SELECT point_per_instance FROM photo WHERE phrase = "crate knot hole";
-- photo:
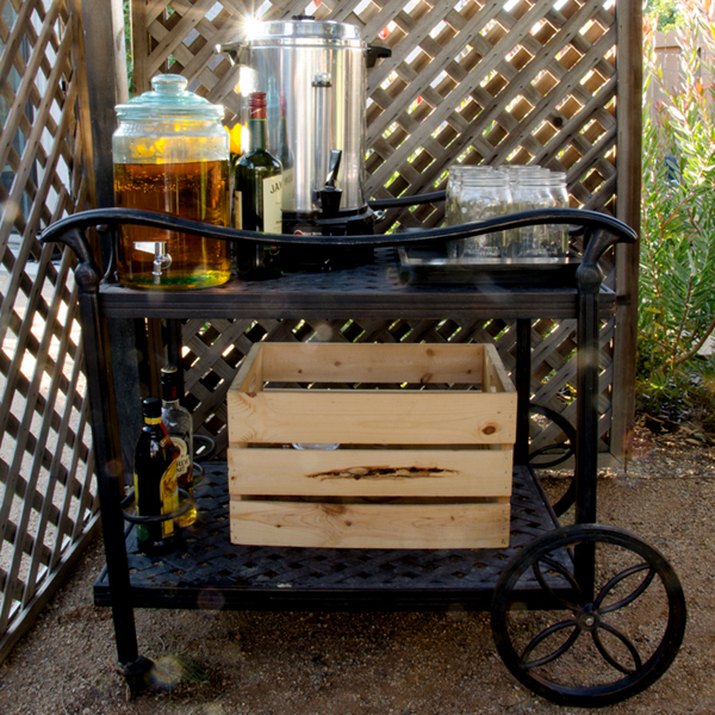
(382, 472)
(489, 429)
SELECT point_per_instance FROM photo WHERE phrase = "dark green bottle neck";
(257, 134)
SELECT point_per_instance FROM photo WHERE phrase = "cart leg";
(135, 668)
(523, 389)
(110, 479)
(588, 278)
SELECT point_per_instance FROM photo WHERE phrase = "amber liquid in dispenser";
(156, 258)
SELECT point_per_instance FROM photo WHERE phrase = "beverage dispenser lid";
(169, 97)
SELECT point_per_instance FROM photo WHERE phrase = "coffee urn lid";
(304, 27)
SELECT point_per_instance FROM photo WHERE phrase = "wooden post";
(106, 86)
(629, 22)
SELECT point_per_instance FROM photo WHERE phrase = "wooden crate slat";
(369, 472)
(479, 525)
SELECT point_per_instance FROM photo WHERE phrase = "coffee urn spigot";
(330, 194)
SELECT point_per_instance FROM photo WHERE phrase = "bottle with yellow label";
(258, 195)
(178, 423)
(156, 490)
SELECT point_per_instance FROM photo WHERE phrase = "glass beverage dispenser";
(171, 154)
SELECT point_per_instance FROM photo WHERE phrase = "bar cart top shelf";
(379, 288)
(385, 286)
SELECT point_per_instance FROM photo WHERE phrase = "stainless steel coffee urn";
(314, 76)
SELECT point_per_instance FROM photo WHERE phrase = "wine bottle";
(258, 194)
(155, 486)
(179, 425)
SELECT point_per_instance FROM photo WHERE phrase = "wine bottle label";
(183, 461)
(272, 204)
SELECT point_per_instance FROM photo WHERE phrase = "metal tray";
(431, 265)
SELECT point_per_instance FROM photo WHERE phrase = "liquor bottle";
(234, 139)
(155, 486)
(179, 425)
(258, 195)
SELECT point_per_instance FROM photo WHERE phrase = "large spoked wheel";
(586, 636)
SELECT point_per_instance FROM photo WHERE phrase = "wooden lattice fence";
(47, 499)
(479, 81)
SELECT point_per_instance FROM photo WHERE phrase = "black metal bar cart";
(555, 593)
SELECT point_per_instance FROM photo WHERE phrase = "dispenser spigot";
(162, 260)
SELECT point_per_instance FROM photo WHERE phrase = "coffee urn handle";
(235, 51)
(376, 52)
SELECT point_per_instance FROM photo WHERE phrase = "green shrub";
(677, 277)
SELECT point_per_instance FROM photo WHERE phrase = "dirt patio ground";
(407, 663)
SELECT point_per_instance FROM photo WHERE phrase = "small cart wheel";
(551, 455)
(588, 615)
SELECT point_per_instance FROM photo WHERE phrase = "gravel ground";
(421, 663)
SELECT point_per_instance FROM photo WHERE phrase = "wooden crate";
(425, 435)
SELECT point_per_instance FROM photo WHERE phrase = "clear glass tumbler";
(475, 193)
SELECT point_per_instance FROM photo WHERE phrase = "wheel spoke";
(637, 662)
(562, 571)
(619, 578)
(541, 637)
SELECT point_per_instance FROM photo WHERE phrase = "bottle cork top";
(257, 105)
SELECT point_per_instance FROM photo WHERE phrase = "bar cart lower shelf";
(210, 572)
(629, 613)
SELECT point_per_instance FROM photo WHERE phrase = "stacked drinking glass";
(475, 193)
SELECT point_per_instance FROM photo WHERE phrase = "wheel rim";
(588, 643)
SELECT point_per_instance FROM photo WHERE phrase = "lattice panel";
(47, 502)
(476, 81)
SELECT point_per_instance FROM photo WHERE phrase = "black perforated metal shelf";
(210, 572)
(377, 289)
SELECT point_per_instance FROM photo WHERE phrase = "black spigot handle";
(330, 195)
(336, 156)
